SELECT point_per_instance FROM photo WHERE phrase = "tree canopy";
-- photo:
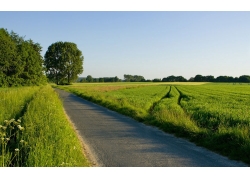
(20, 61)
(63, 62)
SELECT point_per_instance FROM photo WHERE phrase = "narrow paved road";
(114, 140)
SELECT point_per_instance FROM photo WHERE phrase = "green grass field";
(34, 130)
(213, 115)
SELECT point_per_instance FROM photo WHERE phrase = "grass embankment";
(40, 134)
(184, 111)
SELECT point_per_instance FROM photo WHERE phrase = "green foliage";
(9, 60)
(20, 61)
(63, 62)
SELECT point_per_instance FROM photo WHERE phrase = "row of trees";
(200, 78)
(127, 78)
(197, 78)
(89, 78)
(174, 79)
(133, 78)
(21, 63)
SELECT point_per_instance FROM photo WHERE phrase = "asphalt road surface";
(114, 140)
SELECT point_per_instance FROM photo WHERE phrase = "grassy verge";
(13, 105)
(42, 137)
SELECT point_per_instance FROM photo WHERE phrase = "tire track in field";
(151, 109)
(180, 98)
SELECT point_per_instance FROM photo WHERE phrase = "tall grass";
(42, 136)
(13, 103)
(52, 139)
(14, 100)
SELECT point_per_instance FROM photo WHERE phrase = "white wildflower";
(20, 127)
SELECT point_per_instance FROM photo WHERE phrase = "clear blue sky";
(151, 44)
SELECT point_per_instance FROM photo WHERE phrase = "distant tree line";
(133, 78)
(20, 61)
(172, 78)
(89, 78)
(200, 78)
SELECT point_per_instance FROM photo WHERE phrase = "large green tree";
(8, 58)
(63, 62)
(20, 61)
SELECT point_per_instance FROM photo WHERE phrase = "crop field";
(213, 115)
(34, 131)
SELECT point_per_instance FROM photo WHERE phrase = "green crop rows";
(216, 116)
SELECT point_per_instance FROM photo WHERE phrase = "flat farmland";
(213, 115)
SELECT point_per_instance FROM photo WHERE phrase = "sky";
(153, 44)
